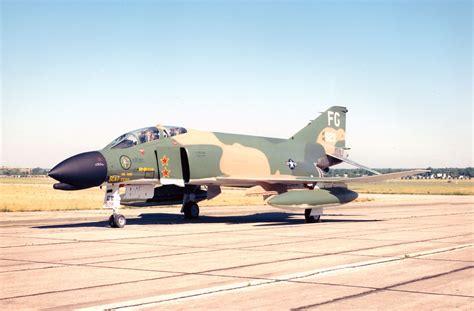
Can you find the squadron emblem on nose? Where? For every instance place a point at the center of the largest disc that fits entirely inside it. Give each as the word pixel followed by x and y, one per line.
pixel 125 162
pixel 291 164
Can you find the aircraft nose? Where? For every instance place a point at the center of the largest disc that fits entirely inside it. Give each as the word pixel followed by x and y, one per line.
pixel 81 171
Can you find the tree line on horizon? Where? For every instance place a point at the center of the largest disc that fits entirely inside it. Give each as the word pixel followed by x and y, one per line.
pixel 454 172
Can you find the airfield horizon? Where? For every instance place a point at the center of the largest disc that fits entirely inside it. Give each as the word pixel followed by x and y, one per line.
pixel 37 194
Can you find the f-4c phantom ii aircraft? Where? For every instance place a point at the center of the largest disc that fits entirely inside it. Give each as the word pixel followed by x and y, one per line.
pixel 162 164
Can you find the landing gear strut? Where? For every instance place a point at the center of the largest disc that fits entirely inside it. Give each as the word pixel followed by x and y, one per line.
pixel 311 216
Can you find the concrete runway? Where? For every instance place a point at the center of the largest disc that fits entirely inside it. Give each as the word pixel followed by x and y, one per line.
pixel 397 252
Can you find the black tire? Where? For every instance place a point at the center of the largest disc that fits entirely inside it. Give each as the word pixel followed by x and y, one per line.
pixel 191 210
pixel 111 221
pixel 309 218
pixel 119 221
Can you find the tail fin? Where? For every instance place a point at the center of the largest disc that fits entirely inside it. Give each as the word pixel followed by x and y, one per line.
pixel 329 129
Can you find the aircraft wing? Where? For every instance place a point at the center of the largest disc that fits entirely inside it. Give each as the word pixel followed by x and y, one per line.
pixel 382 177
pixel 291 180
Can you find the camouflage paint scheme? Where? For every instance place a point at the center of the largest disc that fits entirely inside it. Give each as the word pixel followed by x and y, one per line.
pixel 212 155
pixel 145 160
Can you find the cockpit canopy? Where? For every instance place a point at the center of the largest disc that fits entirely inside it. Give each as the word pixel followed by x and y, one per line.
pixel 145 135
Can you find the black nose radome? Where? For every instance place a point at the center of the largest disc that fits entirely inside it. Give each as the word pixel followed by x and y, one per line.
pixel 81 171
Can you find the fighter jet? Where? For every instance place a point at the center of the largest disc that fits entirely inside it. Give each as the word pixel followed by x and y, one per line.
pixel 163 164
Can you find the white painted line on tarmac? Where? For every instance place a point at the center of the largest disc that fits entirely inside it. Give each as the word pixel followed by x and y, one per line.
pixel 154 301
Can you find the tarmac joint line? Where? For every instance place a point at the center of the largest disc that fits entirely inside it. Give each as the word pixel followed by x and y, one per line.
pixel 155 300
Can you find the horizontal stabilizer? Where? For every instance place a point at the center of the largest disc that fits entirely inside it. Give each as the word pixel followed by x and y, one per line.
pixel 382 177
pixel 346 160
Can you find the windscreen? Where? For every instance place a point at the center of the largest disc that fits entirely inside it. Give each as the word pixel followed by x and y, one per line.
pixel 134 138
pixel 144 135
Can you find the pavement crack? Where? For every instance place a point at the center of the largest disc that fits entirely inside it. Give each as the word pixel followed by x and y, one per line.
pixel 87 287
pixel 373 291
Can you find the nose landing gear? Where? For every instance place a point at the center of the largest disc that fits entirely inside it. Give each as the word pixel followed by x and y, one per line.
pixel 117 221
pixel 112 201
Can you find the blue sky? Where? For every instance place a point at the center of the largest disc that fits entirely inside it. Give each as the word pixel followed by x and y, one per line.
pixel 76 74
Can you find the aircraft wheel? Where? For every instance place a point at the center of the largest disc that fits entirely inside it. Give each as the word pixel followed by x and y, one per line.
pixel 119 221
pixel 111 222
pixel 309 218
pixel 191 210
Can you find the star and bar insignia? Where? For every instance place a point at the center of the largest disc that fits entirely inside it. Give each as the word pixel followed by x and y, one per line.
pixel 291 164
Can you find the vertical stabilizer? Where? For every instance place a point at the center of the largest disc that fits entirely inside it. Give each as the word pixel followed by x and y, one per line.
pixel 329 129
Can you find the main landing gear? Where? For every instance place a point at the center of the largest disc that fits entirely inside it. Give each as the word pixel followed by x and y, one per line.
pixel 190 207
pixel 312 215
pixel 191 210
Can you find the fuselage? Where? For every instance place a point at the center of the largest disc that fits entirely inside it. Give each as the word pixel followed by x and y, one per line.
pixel 211 154
pixel 192 155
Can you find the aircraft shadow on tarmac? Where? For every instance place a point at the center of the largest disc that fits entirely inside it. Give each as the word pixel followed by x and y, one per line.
pixel 260 219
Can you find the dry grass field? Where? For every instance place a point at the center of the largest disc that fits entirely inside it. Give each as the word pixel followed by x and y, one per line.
pixel 37 194
pixel 418 186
